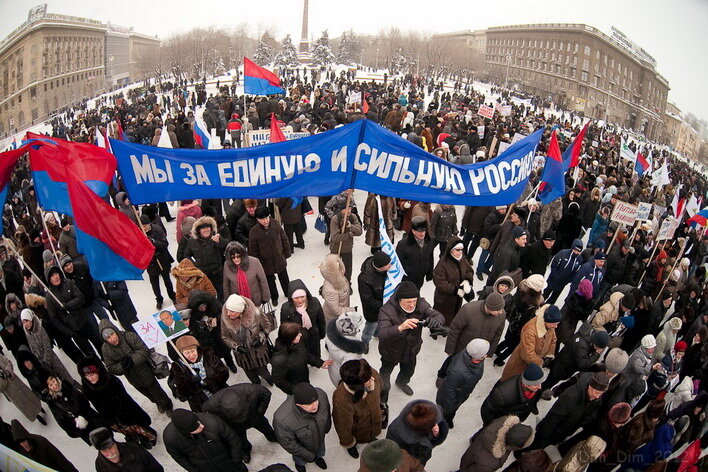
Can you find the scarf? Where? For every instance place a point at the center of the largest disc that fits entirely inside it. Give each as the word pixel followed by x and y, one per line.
pixel 242 281
pixel 306 321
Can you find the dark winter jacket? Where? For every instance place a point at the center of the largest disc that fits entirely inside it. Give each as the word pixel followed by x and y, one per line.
pixel 507 398
pixel 615 266
pixel 239 405
pixel 593 274
pixel 188 384
pixel 472 322
pixel 216 449
pixel 158 238
pixel 300 433
pixel 290 365
pixel 289 314
pixel 564 266
pixel 507 259
pixel 417 261
pixel 270 246
pixel 578 355
pixel 474 217
pixel 448 276
pixel 130 346
pixel 418 444
pixel 535 259
pixel 67 405
pixel 208 255
pixel 462 377
pixel 371 289
pixel 69 319
pixel 83 281
pixel 120 300
pixel 133 458
pixel 41 449
pixel 488 450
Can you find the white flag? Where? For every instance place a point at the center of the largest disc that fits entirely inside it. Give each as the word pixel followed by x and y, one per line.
pixel 626 152
pixel 692 206
pixel 164 141
pixel 395 273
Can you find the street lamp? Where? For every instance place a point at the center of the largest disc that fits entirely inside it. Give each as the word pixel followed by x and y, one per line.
pixel 377 59
pixel 506 81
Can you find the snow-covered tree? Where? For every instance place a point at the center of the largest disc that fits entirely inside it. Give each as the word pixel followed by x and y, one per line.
pixel 322 54
pixel 349 49
pixel 287 56
pixel 264 52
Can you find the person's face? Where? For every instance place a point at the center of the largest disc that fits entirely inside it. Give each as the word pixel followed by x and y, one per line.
pixel 679 355
pixel 55 279
pixel 205 232
pixel 69 267
pixel 251 210
pixel 515 219
pixel 93 378
pixel 599 263
pixel 300 301
pixel 532 388
pixel 385 268
pixel 27 324
pixel 418 234
pixel 113 339
pixel 650 350
pixel 265 222
pixel 25 445
pixel 502 211
pixel 28 365
pixel 493 312
pixel 191 354
pixel 521 241
pixel 408 304
pixel 166 317
pixel 146 227
pixel 456 252
pixel 594 394
pixel 551 325
pixel 236 258
pixel 53 384
pixel 577 252
pixel 233 315
pixel 667 302
pixel 311 408
pixel 548 244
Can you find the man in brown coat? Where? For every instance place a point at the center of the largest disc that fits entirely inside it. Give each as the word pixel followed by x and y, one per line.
pixel 538 342
pixel 268 243
pixel 453 277
pixel 342 228
pixel 483 319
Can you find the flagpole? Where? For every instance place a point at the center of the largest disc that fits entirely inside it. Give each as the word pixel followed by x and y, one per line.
pixel 614 237
pixel 346 220
pixel 651 258
pixel 673 267
pixel 51 244
pixel 137 218
pixel 27 266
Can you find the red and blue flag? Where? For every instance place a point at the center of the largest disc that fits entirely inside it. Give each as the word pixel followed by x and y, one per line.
pixel 700 218
pixel 571 156
pixel 258 80
pixel 641 164
pixel 553 178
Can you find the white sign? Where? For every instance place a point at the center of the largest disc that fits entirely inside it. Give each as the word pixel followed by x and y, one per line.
pixel 486 112
pixel 664 230
pixel 505 110
pixel 262 136
pixel 480 132
pixel 644 211
pixel 354 97
pixel 624 213
pixel 159 327
pixel 517 137
pixel 503 146
pixel 11 461
pixel 673 226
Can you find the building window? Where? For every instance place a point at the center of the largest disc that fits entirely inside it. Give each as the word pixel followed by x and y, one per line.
pixel 33 93
pixel 587 50
pixel 584 76
pixel 586 64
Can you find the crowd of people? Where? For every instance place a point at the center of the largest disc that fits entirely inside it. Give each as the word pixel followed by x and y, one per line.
pixel 597 331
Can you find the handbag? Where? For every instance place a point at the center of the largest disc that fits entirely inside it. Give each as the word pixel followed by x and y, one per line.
pixel 269 312
pixel 321 224
pixel 160 364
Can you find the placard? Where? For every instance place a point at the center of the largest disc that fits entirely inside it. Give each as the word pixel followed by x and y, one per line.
pixel 517 137
pixel 480 132
pixel 505 110
pixel 503 146
pixel 624 213
pixel 644 211
pixel 664 230
pixel 486 112
pixel 262 136
pixel 160 327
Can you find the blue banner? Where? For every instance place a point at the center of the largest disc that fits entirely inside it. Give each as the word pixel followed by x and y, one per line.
pixel 360 155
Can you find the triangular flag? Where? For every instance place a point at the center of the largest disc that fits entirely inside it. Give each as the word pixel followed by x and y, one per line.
pixel 164 141
pixel 276 134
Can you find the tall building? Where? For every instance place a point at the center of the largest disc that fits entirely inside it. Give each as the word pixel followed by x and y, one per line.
pixel 52 61
pixel 304 53
pixel 578 66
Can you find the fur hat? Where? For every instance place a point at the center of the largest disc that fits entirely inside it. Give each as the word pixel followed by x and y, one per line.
pixel 620 413
pixel 616 360
pixel 536 282
pixel 600 381
pixel 518 435
pixel 186 342
pixel 477 348
pixel 349 323
pixel 383 455
pixel 235 303
pixel 407 289
pixel 494 302
pixel 419 223
pixel 262 212
pixel 675 323
pixel 101 438
pixel 422 416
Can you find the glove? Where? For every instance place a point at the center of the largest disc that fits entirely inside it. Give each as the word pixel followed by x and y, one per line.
pixel 466 286
pixel 126 362
pixel 407 205
pixel 433 323
pixel 256 343
pixel 242 350
pixel 460 292
pixel 80 422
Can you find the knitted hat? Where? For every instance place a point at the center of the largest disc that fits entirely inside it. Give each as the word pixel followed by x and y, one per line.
pixel 26 315
pixel 518 435
pixel 383 455
pixel 585 289
pixel 65 259
pixel 549 235
pixel 477 348
pixel 600 339
pixel 518 232
pixel 144 219
pixel 186 342
pixel 419 223
pixel 675 323
pixel 600 244
pixel 533 375
pixel 648 341
pixel 262 212
pixel 680 346
pixel 552 314
pixel 407 289
pixel 101 438
pixel 381 259
pixel 304 393
pixel 578 244
pixel 536 282
pixel 494 302
pixel 184 420
pixel 600 256
pixel 620 413
pixel 107 332
pixel 628 301
pixel 89 369
pixel 47 256
pixel 600 381
pixel 235 303
pixel 422 416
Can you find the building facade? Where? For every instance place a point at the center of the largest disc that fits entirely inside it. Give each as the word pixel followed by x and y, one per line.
pixel 582 69
pixel 53 61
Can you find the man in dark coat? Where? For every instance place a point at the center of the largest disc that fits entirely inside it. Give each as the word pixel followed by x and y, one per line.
pixel 564 265
pixel 490 228
pixel 206 248
pixel 463 372
pixel 116 296
pixel 243 406
pixel 508 257
pixel 268 243
pixel 370 282
pixel 482 319
pixel 39 449
pixel 472 226
pixel 121 457
pixel 161 261
pixel 79 273
pixel 535 257
pixel 518 396
pixel 615 266
pixel 415 251
pixel 401 322
pixel 201 442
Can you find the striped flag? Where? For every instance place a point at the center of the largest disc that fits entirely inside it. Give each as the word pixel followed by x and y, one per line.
pixel 395 273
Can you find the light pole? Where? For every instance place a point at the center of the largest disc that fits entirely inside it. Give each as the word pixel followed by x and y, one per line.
pixel 506 81
pixel 377 59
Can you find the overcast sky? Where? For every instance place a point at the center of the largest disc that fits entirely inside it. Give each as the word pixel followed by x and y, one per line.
pixel 673 32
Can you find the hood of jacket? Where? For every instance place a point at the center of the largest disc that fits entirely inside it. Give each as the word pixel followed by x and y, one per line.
pixel 34 301
pixel 11 297
pixel 19 433
pixel 188 273
pixel 203 220
pixel 452 242
pixel 36 324
pixel 298 284
pixel 198 297
pixel 582 454
pixel 49 271
pixel 506 278
pixel 104 324
pixel 408 434
pixel 352 344
pixel 499 447
pixel 103 375
pixel 332 270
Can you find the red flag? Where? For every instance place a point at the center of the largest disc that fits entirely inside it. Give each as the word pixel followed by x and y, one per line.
pixel 276 134
pixel 365 106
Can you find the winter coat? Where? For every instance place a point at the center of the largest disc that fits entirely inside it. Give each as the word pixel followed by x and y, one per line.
pixel 588 271
pixel 396 346
pixel 130 345
pixel 252 328
pixel 370 283
pixel 665 341
pixel 162 257
pixel 473 219
pixel 589 208
pixel 186 381
pixel 472 322
pixel 524 305
pixel 345 239
pixel 42 347
pixel 599 227
pixel 35 376
pixel 133 458
pixel 188 278
pixel 67 243
pixel 535 259
pixel 578 355
pixel 360 422
pixel 191 209
pixel 608 313
pixel 459 382
pixel 576 308
pixel 288 314
pixel 208 255
pixel 443 224
pixel 491 225
pixel 371 219
pixel 69 319
pixel 300 433
pixel 342 348
pixel 581 455
pixel 110 399
pixel 488 450
pixel 257 282
pixel 117 293
pixel 418 444
pixel 507 398
pixel 289 214
pixel 448 276
pixel 239 405
pixel 290 365
pixel 408 464
pixel 615 266
pixel 507 259
pixel 67 405
pixel 41 449
pixel 335 288
pixel 16 391
pixel 537 342
pixel 572 410
pixel 564 266
pixel 216 449
pixel 417 261
pixel 243 228
pixel 658 449
pixel 270 246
